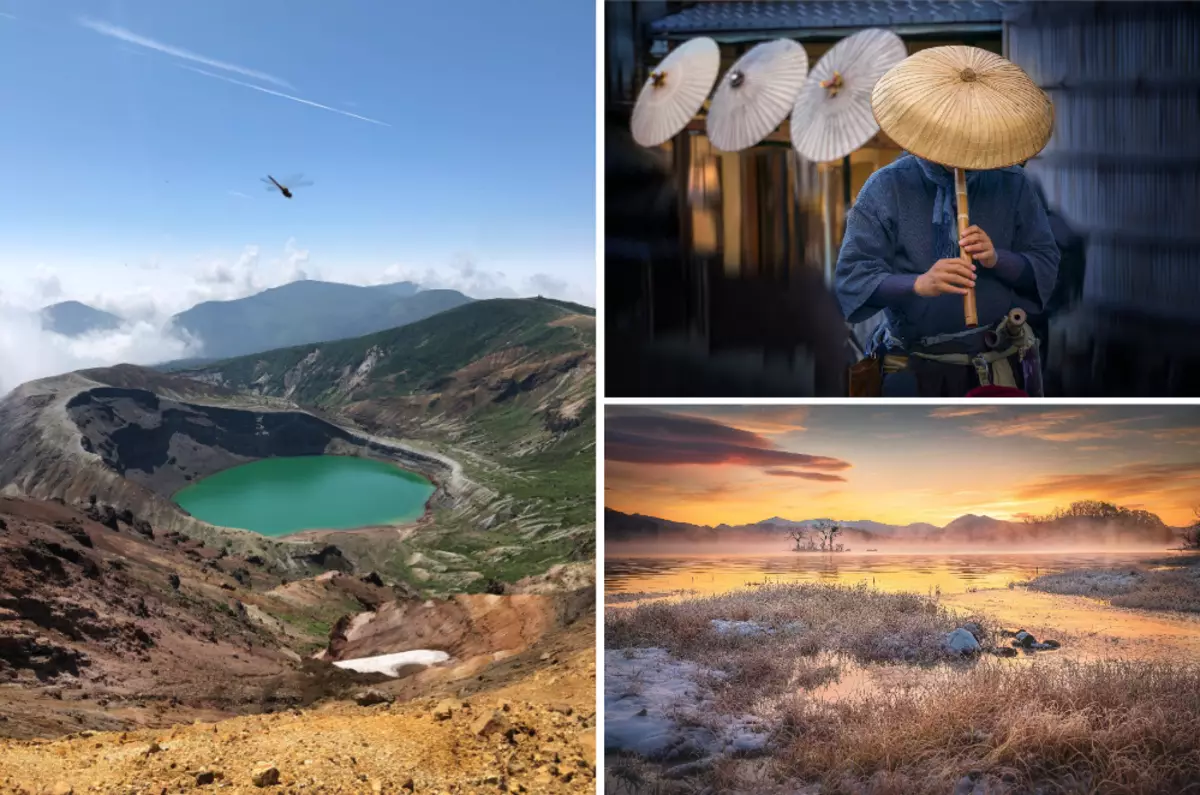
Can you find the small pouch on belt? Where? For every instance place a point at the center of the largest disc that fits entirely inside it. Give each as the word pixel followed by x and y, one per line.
pixel 866 378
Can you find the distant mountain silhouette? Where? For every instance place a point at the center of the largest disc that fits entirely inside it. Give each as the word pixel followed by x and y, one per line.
pixel 305 312
pixel 967 530
pixel 74 319
pixel 635 527
pixel 917 529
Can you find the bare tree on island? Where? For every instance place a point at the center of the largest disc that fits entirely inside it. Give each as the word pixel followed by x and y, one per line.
pixel 828 531
pixel 800 536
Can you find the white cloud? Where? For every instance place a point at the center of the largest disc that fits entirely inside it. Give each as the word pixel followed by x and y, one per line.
pixel 129 37
pixel 464 275
pixel 151 287
pixel 225 279
pixel 296 265
pixel 147 302
pixel 47 284
pixel 27 352
pixel 545 284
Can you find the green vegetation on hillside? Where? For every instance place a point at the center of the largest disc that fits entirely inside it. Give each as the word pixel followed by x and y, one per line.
pixel 418 355
pixel 506 387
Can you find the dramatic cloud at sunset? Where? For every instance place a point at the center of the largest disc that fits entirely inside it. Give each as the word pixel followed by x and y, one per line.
pixel 737 465
pixel 658 438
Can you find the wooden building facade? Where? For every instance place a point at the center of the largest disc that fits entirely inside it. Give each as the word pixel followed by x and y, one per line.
pixel 1122 168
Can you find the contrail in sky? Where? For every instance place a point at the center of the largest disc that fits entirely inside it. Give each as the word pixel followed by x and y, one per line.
pixel 122 34
pixel 287 96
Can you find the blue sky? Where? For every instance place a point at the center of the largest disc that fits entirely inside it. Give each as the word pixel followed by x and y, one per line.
pixel 131 180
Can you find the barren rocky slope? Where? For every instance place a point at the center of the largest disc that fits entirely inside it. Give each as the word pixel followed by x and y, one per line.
pixel 524 726
pixel 119 612
pixel 107 624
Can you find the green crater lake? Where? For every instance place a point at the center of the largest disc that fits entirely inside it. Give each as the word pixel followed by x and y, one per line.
pixel 278 496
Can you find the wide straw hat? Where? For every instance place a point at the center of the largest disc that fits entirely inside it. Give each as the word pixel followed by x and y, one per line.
pixel 963 107
pixel 756 94
pixel 675 91
pixel 832 114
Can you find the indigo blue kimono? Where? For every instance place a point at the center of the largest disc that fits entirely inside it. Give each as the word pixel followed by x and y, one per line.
pixel 905 220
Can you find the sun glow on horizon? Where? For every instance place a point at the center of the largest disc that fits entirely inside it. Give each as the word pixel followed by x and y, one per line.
pixel 899 465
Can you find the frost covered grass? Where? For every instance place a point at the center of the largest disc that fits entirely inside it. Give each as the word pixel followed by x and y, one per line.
pixel 1104 727
pixel 1176 588
pixel 756 644
pixel 717 695
pixel 1088 582
pixel 796 620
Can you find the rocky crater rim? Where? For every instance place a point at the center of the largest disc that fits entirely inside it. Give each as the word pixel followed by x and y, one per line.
pixel 79 439
pixel 166 445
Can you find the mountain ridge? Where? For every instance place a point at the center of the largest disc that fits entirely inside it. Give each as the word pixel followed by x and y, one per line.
pixel 307 311
pixel 302 312
pixel 621 527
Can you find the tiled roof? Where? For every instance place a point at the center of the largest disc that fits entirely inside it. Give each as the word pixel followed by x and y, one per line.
pixel 705 17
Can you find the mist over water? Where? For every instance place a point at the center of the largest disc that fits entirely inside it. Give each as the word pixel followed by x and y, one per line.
pixel 1138 531
pixel 949 572
pixel 760 545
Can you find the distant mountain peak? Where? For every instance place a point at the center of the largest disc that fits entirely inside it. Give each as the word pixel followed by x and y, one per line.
pixel 309 311
pixel 75 318
pixel 971 517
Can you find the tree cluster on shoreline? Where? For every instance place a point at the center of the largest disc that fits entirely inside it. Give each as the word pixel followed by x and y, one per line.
pixel 818 538
pixel 1098 511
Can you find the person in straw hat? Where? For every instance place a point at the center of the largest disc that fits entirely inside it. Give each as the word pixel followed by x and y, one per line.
pixel 902 252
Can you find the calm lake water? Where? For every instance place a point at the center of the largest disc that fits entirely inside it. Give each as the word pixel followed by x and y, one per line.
pixel 970 584
pixel 923 573
pixel 278 496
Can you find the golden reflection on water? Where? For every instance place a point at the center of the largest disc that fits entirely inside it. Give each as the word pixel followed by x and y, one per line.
pixel 971 584
pixel 919 573
pixel 1089 629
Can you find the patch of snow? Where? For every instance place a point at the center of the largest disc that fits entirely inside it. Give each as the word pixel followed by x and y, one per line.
pixel 389 663
pixel 654 706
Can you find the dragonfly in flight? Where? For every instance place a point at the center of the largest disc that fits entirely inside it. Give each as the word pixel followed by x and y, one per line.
pixel 286 186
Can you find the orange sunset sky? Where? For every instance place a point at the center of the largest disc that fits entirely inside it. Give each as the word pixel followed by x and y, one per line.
pixel 898 464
